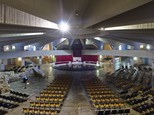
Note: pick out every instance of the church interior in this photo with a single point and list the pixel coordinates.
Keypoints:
(81, 57)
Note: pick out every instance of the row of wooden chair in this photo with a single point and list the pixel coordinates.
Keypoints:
(3, 112)
(51, 95)
(45, 105)
(90, 86)
(122, 83)
(56, 88)
(53, 91)
(51, 99)
(106, 96)
(114, 111)
(104, 100)
(38, 111)
(144, 108)
(98, 89)
(108, 106)
(101, 96)
(135, 94)
(99, 92)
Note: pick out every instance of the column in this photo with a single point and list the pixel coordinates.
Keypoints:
(22, 62)
(1, 48)
(4, 63)
(40, 60)
(116, 63)
(131, 61)
(152, 81)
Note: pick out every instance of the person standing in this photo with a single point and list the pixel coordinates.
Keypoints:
(25, 80)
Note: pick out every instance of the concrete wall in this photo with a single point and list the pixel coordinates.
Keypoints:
(125, 53)
(7, 55)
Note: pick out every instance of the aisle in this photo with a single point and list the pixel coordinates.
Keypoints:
(76, 102)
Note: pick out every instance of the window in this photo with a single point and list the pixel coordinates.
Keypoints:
(120, 47)
(13, 48)
(6, 48)
(128, 47)
(29, 48)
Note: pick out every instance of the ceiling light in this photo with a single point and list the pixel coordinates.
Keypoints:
(135, 58)
(148, 47)
(97, 38)
(19, 59)
(102, 28)
(141, 46)
(7, 48)
(77, 13)
(20, 34)
(120, 48)
(64, 27)
(13, 47)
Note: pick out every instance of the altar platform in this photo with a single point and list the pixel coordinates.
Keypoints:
(77, 66)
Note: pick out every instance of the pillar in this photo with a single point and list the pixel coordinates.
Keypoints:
(18, 61)
(4, 64)
(22, 62)
(40, 60)
(116, 63)
(131, 61)
(152, 81)
(1, 48)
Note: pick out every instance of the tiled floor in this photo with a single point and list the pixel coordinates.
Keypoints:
(76, 103)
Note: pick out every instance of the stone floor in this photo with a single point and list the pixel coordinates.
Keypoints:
(76, 102)
(34, 87)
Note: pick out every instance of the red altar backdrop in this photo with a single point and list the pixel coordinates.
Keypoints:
(60, 58)
(64, 58)
(90, 58)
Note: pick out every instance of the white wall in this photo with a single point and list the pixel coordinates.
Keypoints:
(16, 54)
(127, 53)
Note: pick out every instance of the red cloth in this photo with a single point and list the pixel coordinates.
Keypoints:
(64, 58)
(90, 58)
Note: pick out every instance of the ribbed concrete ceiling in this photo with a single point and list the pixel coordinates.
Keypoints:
(85, 17)
(78, 12)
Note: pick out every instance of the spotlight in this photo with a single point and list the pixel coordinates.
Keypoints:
(141, 46)
(148, 47)
(19, 59)
(77, 13)
(135, 58)
(102, 28)
(13, 47)
(64, 27)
